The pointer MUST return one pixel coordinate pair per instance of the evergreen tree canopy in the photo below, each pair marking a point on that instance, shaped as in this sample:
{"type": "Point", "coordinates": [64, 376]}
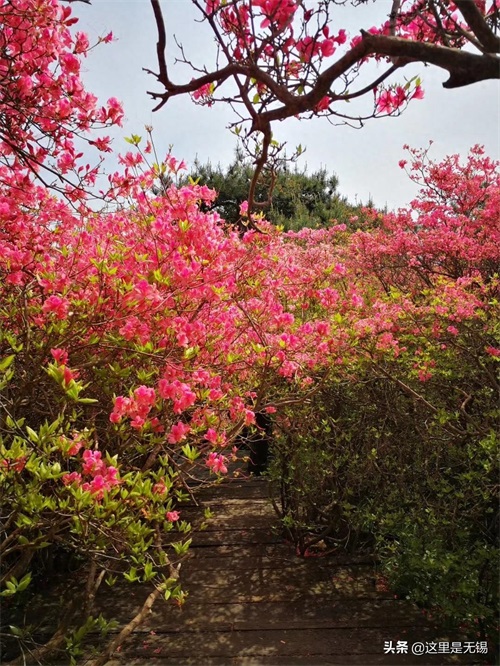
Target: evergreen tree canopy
{"type": "Point", "coordinates": [298, 199]}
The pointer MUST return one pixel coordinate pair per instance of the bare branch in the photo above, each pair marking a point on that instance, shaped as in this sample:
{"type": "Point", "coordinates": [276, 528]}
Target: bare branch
{"type": "Point", "coordinates": [470, 12]}
{"type": "Point", "coordinates": [464, 67]}
{"type": "Point", "coordinates": [393, 16]}
{"type": "Point", "coordinates": [161, 44]}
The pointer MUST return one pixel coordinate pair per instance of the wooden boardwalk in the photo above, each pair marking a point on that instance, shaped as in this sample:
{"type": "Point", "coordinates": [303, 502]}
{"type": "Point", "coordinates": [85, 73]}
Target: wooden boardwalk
{"type": "Point", "coordinates": [253, 602]}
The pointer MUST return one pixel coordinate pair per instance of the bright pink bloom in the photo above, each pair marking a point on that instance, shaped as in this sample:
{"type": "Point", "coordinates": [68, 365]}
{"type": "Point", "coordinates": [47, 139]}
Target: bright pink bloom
{"type": "Point", "coordinates": [56, 305]}
{"type": "Point", "coordinates": [418, 93]}
{"type": "Point", "coordinates": [212, 6]}
{"type": "Point", "coordinates": [216, 463]}
{"type": "Point", "coordinates": [323, 104]}
{"type": "Point", "coordinates": [178, 432]}
{"type": "Point", "coordinates": [137, 422]}
{"type": "Point", "coordinates": [77, 444]}
{"type": "Point", "coordinates": [92, 463]}
{"type": "Point", "coordinates": [60, 356]}
{"type": "Point", "coordinates": [172, 516]}
{"type": "Point", "coordinates": [493, 351]}
{"type": "Point", "coordinates": [144, 395]}
{"type": "Point", "coordinates": [385, 102]}
{"type": "Point", "coordinates": [68, 375]}
{"type": "Point", "coordinates": [341, 38]}
{"type": "Point", "coordinates": [327, 48]}
{"type": "Point", "coordinates": [69, 479]}
{"type": "Point", "coordinates": [211, 436]}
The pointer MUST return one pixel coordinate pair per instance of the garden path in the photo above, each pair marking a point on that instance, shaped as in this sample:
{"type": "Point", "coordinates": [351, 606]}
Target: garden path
{"type": "Point", "coordinates": [252, 602]}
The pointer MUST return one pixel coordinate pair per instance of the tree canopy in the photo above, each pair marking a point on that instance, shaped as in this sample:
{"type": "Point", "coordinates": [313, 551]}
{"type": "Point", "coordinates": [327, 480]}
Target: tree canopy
{"type": "Point", "coordinates": [278, 59]}
{"type": "Point", "coordinates": [299, 199]}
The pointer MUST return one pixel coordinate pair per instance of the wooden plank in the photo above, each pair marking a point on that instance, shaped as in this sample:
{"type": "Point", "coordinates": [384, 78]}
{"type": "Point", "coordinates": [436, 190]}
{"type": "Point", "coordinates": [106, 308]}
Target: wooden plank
{"type": "Point", "coordinates": [300, 574]}
{"type": "Point", "coordinates": [235, 537]}
{"type": "Point", "coordinates": [305, 643]}
{"type": "Point", "coordinates": [317, 660]}
{"type": "Point", "coordinates": [220, 503]}
{"type": "Point", "coordinates": [275, 556]}
{"type": "Point", "coordinates": [243, 551]}
{"type": "Point", "coordinates": [233, 521]}
{"type": "Point", "coordinates": [251, 489]}
{"type": "Point", "coordinates": [303, 614]}
{"type": "Point", "coordinates": [227, 510]}
{"type": "Point", "coordinates": [253, 602]}
{"type": "Point", "coordinates": [271, 585]}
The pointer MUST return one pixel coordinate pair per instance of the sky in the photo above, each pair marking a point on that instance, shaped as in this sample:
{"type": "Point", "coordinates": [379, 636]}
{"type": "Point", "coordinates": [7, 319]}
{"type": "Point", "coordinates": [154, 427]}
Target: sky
{"type": "Point", "coordinates": [364, 160]}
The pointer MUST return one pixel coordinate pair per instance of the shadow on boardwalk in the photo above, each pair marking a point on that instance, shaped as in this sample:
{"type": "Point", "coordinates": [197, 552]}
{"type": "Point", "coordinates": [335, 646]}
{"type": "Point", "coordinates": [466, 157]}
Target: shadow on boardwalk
{"type": "Point", "coordinates": [252, 601]}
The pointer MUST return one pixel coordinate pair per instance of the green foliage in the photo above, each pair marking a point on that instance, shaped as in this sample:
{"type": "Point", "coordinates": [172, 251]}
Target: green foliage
{"type": "Point", "coordinates": [47, 518]}
{"type": "Point", "coordinates": [299, 199]}
{"type": "Point", "coordinates": [385, 461]}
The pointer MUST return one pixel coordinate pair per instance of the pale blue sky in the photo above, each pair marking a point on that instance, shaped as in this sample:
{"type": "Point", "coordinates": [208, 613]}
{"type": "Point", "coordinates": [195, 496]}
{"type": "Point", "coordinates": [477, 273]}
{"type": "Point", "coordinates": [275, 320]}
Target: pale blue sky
{"type": "Point", "coordinates": [366, 160]}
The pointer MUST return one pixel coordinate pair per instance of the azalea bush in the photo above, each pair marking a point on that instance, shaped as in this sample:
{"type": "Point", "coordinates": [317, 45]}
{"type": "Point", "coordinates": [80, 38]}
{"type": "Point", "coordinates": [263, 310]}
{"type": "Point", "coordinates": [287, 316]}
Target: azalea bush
{"type": "Point", "coordinates": [137, 340]}
{"type": "Point", "coordinates": [399, 450]}
{"type": "Point", "coordinates": [134, 342]}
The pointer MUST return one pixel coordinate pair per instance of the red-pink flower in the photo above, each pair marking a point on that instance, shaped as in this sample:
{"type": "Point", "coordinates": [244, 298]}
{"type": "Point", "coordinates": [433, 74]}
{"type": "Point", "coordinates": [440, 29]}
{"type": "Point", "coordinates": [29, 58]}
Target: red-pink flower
{"type": "Point", "coordinates": [56, 305]}
{"type": "Point", "coordinates": [385, 102]}
{"type": "Point", "coordinates": [160, 488]}
{"type": "Point", "coordinates": [178, 432]}
{"type": "Point", "coordinates": [212, 6]}
{"type": "Point", "coordinates": [172, 516]}
{"type": "Point", "coordinates": [493, 351]}
{"type": "Point", "coordinates": [59, 355]}
{"type": "Point", "coordinates": [92, 463]}
{"type": "Point", "coordinates": [327, 47]}
{"type": "Point", "coordinates": [211, 436]}
{"type": "Point", "coordinates": [77, 443]}
{"type": "Point", "coordinates": [69, 479]}
{"type": "Point", "coordinates": [418, 93]}
{"type": "Point", "coordinates": [216, 462]}
{"type": "Point", "coordinates": [323, 104]}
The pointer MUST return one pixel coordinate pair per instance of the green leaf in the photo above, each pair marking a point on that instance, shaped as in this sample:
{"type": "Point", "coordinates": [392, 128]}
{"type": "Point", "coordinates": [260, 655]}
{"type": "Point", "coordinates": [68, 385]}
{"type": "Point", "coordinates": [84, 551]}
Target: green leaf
{"type": "Point", "coordinates": [6, 362]}
{"type": "Point", "coordinates": [32, 434]}
{"type": "Point", "coordinates": [15, 631]}
{"type": "Point", "coordinates": [24, 582]}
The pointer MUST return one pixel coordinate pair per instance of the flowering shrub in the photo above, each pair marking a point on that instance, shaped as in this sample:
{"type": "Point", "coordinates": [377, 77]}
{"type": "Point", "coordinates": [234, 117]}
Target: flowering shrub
{"type": "Point", "coordinates": [138, 339]}
{"type": "Point", "coordinates": [399, 449]}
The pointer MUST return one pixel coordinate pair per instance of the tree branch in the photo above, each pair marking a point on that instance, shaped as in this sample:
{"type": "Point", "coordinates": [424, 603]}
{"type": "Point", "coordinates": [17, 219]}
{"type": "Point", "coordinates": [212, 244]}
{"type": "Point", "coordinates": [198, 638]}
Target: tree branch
{"type": "Point", "coordinates": [104, 657]}
{"type": "Point", "coordinates": [471, 13]}
{"type": "Point", "coordinates": [161, 44]}
{"type": "Point", "coordinates": [464, 67]}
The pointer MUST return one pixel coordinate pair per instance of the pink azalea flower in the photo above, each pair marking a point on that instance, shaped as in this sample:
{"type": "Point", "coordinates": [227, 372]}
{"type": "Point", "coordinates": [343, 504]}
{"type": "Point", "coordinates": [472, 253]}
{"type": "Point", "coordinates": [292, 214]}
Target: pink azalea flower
{"type": "Point", "coordinates": [385, 102]}
{"type": "Point", "coordinates": [216, 463]}
{"type": "Point", "coordinates": [172, 516]}
{"type": "Point", "coordinates": [59, 355]}
{"type": "Point", "coordinates": [74, 477]}
{"type": "Point", "coordinates": [178, 432]}
{"type": "Point", "coordinates": [56, 305]}
{"type": "Point", "coordinates": [211, 436]}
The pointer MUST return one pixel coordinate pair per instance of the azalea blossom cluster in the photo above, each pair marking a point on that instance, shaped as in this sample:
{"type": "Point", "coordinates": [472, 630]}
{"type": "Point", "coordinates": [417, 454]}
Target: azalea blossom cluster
{"type": "Point", "coordinates": [40, 61]}
{"type": "Point", "coordinates": [102, 476]}
{"type": "Point", "coordinates": [290, 41]}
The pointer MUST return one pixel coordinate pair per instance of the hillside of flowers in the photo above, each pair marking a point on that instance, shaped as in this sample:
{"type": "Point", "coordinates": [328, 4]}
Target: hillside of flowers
{"type": "Point", "coordinates": [140, 334]}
